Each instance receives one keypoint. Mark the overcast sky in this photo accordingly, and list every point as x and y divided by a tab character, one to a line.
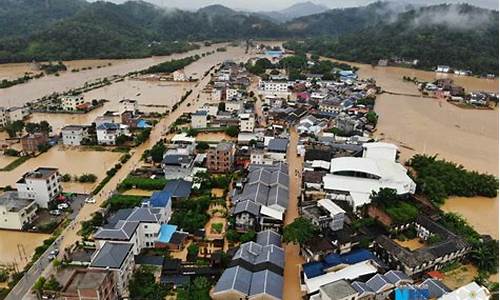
268	5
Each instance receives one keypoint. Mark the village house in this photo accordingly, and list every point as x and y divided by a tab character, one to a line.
177	163
16	212
129	105
179	75
220	159
12	114
211	108
233	105
73	135
247	122
117	258
42	185
255	271
310	125
427	258
108	132
325	214
32	141
277	148
87	284
199	119
72	103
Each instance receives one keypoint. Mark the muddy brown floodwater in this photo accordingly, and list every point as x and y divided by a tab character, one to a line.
431	126
17	247
68	160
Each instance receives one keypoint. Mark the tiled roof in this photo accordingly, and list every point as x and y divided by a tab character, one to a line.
111	255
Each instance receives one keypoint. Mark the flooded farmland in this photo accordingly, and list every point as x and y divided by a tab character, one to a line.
17	247
431	126
72	161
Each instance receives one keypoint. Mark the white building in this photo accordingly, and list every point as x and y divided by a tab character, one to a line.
443	69
108	132
471	291
3	116
73	135
199	119
232	93
353	179
216	94
233	105
179	75
129	105
16	213
41	185
260	157
275	86
71	103
310	125
211	108
15	113
247	122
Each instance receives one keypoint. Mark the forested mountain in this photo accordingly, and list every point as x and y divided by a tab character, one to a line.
345	20
295	11
132	29
461	36
20	17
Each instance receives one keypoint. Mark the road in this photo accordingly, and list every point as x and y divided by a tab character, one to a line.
70	235
293	260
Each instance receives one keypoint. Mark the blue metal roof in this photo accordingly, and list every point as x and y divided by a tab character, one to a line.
160	199
313	269
166	232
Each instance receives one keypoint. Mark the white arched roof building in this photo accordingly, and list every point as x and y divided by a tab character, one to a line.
355	178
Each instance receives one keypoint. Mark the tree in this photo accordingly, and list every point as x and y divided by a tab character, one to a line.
32	127
232	235
14	128
121	139
193	250
372	117
300	231
385	196
202	146
157	152
45	127
248	236
39	286
143	286
221	106
198	290
232	131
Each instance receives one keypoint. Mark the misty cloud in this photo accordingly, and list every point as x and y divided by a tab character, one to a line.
453	17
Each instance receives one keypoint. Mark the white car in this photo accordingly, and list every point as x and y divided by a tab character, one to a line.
90	200
62	206
55	212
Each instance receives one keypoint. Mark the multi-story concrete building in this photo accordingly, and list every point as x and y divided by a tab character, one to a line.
199	119
41	185
74	134
108	132
221	158
88	284
30	142
71	103
247	122
129	105
15	212
117	258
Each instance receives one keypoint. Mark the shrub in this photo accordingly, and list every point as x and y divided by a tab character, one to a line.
142	183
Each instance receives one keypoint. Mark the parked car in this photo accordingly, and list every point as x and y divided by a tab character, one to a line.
62	206
55	212
90	200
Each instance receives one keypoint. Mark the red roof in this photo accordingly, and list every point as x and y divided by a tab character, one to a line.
435	274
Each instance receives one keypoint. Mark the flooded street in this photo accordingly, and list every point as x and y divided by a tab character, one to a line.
18	247
213	137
